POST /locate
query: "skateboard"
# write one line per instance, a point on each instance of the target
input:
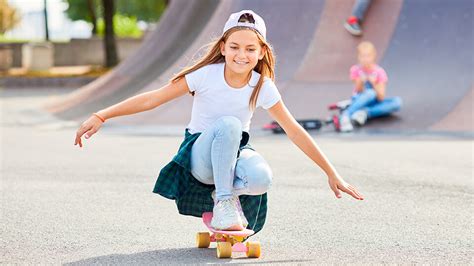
(308, 124)
(227, 241)
(315, 124)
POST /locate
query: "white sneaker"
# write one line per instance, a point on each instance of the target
(359, 117)
(239, 208)
(226, 215)
(345, 124)
(241, 212)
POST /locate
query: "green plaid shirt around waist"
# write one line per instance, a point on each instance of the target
(192, 197)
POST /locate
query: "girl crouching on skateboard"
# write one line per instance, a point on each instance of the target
(216, 169)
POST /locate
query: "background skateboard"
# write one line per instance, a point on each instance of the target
(315, 124)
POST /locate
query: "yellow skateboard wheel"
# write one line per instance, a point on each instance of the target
(253, 249)
(224, 250)
(203, 239)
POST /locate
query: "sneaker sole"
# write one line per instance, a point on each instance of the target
(351, 30)
(357, 123)
(230, 228)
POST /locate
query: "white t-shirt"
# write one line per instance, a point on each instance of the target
(214, 98)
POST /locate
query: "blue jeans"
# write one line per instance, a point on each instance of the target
(214, 161)
(367, 99)
(359, 8)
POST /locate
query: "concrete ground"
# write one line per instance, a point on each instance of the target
(62, 204)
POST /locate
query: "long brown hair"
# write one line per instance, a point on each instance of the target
(265, 67)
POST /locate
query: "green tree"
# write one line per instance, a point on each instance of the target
(123, 26)
(87, 10)
(109, 16)
(146, 10)
(92, 10)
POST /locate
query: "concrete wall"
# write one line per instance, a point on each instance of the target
(16, 52)
(79, 51)
(5, 58)
(90, 51)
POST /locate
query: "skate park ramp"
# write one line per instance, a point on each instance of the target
(425, 47)
(289, 50)
(172, 36)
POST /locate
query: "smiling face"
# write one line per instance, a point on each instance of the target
(242, 50)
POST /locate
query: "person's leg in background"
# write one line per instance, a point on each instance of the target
(377, 109)
(361, 100)
(213, 160)
(385, 107)
(359, 10)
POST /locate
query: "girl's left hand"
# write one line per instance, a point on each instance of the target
(337, 185)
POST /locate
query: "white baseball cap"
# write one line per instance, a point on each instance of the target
(256, 23)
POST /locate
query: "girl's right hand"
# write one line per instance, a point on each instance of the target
(89, 127)
(337, 184)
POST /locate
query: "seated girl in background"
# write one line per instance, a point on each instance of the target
(368, 98)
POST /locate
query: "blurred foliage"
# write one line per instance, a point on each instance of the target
(79, 9)
(8, 16)
(145, 10)
(4, 39)
(123, 26)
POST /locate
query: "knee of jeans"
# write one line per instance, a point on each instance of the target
(230, 125)
(259, 180)
(202, 174)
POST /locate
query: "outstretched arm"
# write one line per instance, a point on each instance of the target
(147, 100)
(305, 143)
(138, 103)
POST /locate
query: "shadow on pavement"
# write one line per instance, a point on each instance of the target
(174, 255)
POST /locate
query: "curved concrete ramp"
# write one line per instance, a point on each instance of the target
(181, 23)
(281, 17)
(431, 68)
(331, 53)
(425, 46)
(461, 118)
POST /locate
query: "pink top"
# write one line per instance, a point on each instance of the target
(357, 71)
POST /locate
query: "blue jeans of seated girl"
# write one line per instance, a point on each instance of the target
(368, 99)
(214, 161)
